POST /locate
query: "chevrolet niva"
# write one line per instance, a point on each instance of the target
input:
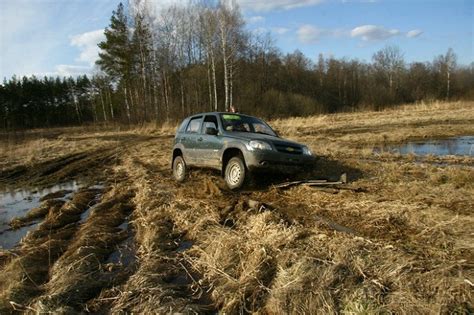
(237, 145)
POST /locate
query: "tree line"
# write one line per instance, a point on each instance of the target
(158, 67)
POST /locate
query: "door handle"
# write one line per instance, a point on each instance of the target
(200, 139)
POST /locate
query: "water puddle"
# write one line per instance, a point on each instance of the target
(85, 215)
(124, 225)
(99, 186)
(125, 253)
(184, 245)
(64, 195)
(10, 237)
(15, 203)
(463, 146)
(181, 280)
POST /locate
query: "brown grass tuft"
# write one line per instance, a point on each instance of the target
(79, 274)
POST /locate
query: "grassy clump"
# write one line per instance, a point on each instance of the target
(79, 273)
(22, 277)
(50, 205)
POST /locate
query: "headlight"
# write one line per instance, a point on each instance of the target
(259, 145)
(307, 151)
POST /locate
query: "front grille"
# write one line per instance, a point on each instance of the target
(290, 149)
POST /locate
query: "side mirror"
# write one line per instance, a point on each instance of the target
(211, 131)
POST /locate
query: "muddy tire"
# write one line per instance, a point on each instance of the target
(235, 173)
(179, 169)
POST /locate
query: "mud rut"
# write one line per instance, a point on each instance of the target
(65, 264)
(73, 261)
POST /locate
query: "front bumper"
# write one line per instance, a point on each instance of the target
(277, 161)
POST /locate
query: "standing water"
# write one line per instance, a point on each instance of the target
(450, 146)
(16, 203)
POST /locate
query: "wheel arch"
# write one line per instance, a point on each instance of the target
(176, 152)
(228, 154)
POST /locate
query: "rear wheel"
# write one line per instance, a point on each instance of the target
(179, 169)
(235, 173)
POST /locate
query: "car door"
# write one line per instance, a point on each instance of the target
(209, 146)
(189, 140)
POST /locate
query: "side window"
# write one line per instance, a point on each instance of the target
(209, 121)
(194, 125)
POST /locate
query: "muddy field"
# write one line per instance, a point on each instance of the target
(398, 238)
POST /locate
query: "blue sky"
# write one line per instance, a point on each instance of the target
(59, 37)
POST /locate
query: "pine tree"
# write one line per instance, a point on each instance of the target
(141, 49)
(115, 57)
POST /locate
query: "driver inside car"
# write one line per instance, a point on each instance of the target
(239, 126)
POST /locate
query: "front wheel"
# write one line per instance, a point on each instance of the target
(235, 173)
(179, 169)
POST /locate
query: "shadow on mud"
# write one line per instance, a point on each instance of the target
(85, 165)
(324, 168)
(120, 137)
(73, 133)
(329, 169)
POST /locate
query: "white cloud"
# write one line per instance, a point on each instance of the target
(159, 4)
(309, 34)
(247, 5)
(260, 31)
(373, 32)
(275, 30)
(255, 19)
(35, 36)
(414, 33)
(280, 30)
(22, 53)
(87, 43)
(64, 71)
(268, 5)
(72, 70)
(359, 1)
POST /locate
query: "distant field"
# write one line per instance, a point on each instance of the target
(397, 238)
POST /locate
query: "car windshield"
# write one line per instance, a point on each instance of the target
(239, 123)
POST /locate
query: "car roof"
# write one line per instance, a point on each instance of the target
(217, 113)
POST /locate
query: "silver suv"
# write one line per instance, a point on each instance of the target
(236, 145)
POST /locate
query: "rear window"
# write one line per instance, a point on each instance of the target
(194, 125)
(210, 121)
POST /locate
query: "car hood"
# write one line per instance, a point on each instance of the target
(258, 136)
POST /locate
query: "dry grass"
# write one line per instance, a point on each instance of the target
(395, 240)
(356, 134)
(80, 273)
(53, 206)
(284, 260)
(35, 151)
(24, 274)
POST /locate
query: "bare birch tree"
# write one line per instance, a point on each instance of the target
(230, 30)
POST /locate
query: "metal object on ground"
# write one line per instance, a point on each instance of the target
(313, 182)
